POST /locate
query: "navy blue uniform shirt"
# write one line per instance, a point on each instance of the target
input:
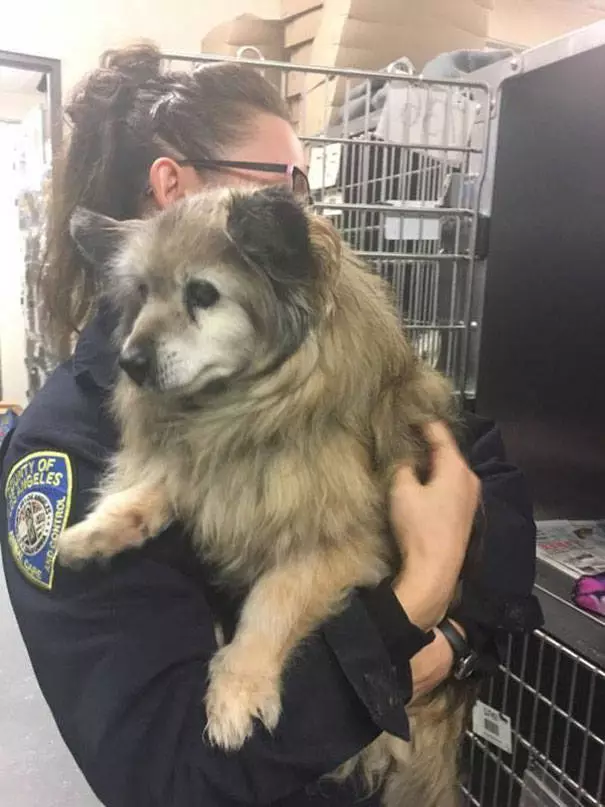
(121, 651)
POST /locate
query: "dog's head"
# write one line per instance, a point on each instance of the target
(222, 285)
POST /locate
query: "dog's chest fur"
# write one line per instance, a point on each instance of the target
(254, 494)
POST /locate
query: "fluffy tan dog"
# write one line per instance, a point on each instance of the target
(268, 394)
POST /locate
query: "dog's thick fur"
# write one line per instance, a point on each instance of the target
(270, 423)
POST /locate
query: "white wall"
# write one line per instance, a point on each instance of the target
(12, 322)
(77, 31)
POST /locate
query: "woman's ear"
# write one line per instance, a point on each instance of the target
(169, 181)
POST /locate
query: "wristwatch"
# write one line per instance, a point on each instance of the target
(465, 659)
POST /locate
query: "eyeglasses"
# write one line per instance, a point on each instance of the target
(298, 179)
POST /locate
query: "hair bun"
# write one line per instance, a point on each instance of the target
(140, 62)
(108, 91)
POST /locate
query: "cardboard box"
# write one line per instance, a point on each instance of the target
(301, 54)
(533, 23)
(295, 108)
(302, 28)
(358, 48)
(315, 108)
(298, 82)
(465, 14)
(292, 8)
(248, 30)
(368, 35)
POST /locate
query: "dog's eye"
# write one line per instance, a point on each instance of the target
(200, 294)
(143, 292)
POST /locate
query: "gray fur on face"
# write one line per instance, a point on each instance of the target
(207, 288)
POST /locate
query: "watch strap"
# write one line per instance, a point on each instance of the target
(465, 658)
(455, 639)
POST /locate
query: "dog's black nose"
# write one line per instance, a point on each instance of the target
(137, 363)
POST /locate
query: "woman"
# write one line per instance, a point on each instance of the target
(121, 652)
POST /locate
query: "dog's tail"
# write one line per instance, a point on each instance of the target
(426, 770)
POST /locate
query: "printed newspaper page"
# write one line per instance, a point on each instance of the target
(574, 547)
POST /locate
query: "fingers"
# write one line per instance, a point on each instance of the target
(405, 477)
(449, 465)
(440, 437)
(446, 456)
(444, 453)
(438, 433)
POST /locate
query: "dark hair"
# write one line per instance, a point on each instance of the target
(123, 116)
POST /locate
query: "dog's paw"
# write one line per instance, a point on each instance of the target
(236, 695)
(100, 538)
(78, 544)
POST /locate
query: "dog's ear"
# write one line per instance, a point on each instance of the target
(270, 230)
(97, 237)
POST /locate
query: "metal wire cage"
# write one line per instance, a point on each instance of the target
(391, 162)
(553, 698)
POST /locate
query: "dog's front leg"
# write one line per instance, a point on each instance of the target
(283, 607)
(122, 519)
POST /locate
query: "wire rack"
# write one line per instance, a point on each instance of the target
(391, 161)
(555, 700)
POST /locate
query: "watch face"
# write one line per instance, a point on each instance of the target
(466, 666)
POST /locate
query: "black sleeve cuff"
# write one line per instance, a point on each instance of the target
(374, 641)
(401, 637)
(478, 636)
(488, 622)
(492, 613)
(484, 641)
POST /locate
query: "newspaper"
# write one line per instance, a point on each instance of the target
(574, 547)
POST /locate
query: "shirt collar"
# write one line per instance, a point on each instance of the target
(95, 356)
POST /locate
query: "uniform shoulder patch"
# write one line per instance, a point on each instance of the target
(38, 499)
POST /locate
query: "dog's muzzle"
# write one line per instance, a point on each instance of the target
(138, 362)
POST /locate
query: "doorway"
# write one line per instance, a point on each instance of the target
(30, 137)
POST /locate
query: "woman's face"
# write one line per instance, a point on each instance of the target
(270, 140)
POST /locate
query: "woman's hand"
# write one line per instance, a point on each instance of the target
(433, 523)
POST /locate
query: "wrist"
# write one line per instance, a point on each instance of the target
(423, 603)
(431, 666)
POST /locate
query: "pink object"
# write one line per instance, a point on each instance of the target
(589, 593)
